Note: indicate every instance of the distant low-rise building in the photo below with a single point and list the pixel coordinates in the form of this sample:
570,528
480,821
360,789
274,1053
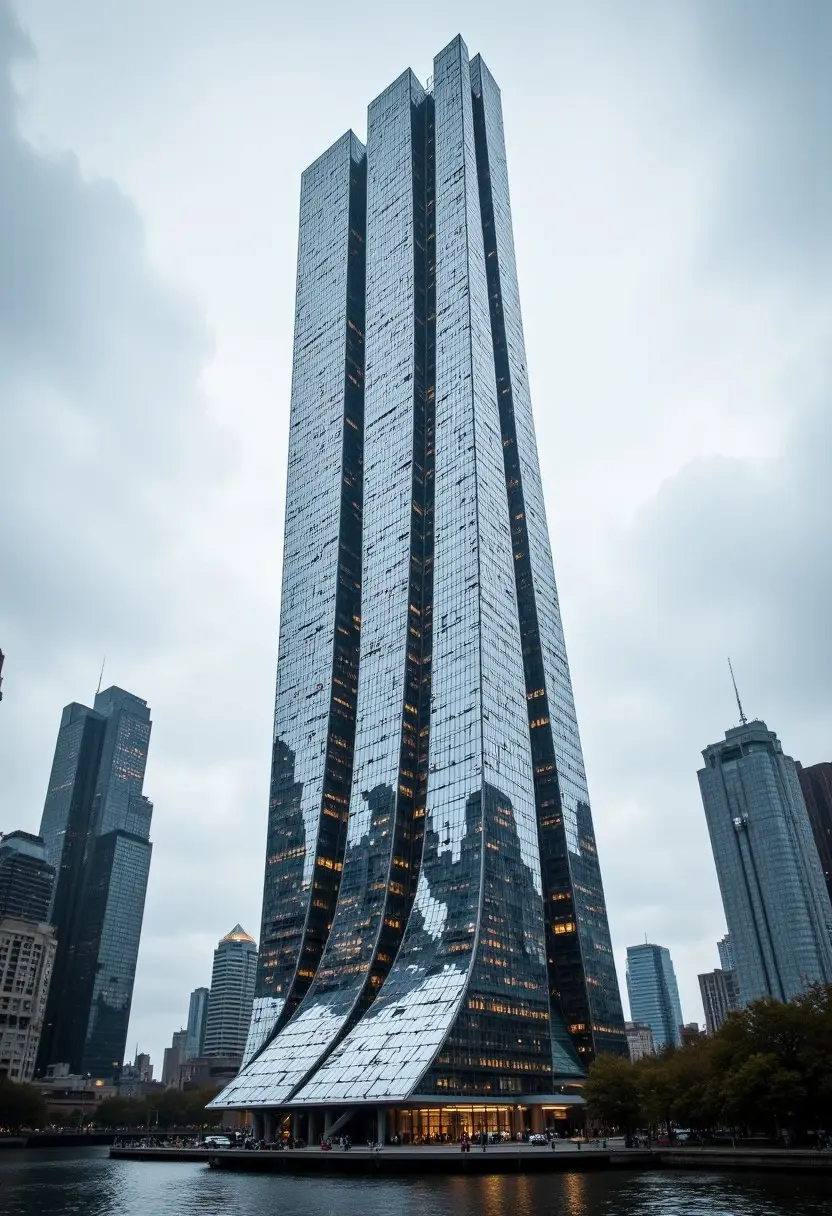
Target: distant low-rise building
720,996
72,1098
639,1040
208,1070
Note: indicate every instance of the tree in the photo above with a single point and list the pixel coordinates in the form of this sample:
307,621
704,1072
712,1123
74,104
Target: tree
21,1106
612,1093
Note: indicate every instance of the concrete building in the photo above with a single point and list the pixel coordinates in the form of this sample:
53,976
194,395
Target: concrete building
773,891
654,993
639,1040
27,955
231,995
27,951
173,1058
720,996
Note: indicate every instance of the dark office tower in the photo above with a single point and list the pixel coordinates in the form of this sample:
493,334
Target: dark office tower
26,877
776,903
468,955
816,783
197,1016
96,829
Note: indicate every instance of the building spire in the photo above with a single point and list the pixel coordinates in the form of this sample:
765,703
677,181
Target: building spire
101,675
743,718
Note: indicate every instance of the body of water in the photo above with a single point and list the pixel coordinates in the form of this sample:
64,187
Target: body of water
87,1183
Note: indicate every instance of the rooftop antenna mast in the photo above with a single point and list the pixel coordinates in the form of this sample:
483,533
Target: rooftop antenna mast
743,718
101,675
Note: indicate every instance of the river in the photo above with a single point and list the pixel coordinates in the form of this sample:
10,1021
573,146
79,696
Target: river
85,1182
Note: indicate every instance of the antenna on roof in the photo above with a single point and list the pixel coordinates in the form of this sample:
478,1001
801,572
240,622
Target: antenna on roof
101,675
743,718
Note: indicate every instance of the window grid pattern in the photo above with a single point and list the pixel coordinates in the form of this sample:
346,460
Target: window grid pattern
386,818
583,981
317,670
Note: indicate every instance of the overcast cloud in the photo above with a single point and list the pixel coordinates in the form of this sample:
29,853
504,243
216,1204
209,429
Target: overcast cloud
672,188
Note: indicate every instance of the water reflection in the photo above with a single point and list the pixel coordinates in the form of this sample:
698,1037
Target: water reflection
89,1184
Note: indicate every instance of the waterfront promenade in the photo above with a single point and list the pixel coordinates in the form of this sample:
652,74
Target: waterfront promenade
497,1159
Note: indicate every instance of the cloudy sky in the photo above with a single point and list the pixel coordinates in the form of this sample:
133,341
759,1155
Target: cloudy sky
672,188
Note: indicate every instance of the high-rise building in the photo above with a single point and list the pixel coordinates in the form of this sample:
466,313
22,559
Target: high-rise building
96,830
726,953
197,1017
720,996
432,877
654,993
27,951
231,996
174,1057
26,877
776,903
143,1066
639,1040
816,783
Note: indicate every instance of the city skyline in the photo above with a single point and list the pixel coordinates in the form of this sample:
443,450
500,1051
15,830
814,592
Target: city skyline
688,368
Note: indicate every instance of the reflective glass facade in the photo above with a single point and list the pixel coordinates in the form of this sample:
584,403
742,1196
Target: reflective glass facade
96,832
654,993
317,669
773,891
444,972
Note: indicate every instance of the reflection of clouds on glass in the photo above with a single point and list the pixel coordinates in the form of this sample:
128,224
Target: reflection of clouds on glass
434,914
264,1014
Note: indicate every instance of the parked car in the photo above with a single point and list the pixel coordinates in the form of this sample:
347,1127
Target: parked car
217,1142
537,1138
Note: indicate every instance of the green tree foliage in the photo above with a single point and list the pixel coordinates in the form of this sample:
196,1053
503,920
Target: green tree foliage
21,1106
767,1070
166,1109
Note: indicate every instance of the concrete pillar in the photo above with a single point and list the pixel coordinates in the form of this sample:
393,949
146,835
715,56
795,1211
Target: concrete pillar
258,1124
312,1136
269,1117
328,1121
381,1124
536,1113
296,1125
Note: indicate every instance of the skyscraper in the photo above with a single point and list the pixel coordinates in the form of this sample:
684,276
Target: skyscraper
197,1017
26,877
816,783
96,829
174,1056
432,878
720,996
654,993
776,903
27,951
232,993
726,953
